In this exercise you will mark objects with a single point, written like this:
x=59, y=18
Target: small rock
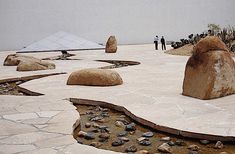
x=89, y=136
x=82, y=133
x=142, y=152
x=104, y=135
x=165, y=139
x=122, y=134
x=103, y=140
x=88, y=125
x=95, y=125
x=124, y=139
x=147, y=134
x=180, y=143
x=192, y=152
x=193, y=147
x=130, y=127
x=96, y=144
x=104, y=110
x=132, y=132
x=141, y=139
x=131, y=148
x=96, y=118
x=164, y=148
x=119, y=124
x=122, y=116
x=94, y=131
x=223, y=153
x=145, y=142
x=79, y=141
x=123, y=120
x=219, y=145
x=204, y=142
x=171, y=143
x=104, y=114
x=118, y=142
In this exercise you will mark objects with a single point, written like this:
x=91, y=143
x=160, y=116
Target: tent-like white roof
x=61, y=41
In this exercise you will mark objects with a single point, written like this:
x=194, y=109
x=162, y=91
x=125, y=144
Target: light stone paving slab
x=41, y=151
x=21, y=116
x=10, y=149
x=28, y=138
x=47, y=114
x=154, y=86
x=11, y=128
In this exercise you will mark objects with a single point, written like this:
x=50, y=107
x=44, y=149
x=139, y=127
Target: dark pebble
x=130, y=127
x=131, y=148
x=171, y=143
x=122, y=134
x=103, y=140
x=192, y=152
x=118, y=143
x=145, y=142
x=180, y=143
x=94, y=131
x=148, y=134
x=104, y=135
x=89, y=136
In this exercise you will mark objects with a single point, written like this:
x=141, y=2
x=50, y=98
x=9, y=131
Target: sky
x=131, y=21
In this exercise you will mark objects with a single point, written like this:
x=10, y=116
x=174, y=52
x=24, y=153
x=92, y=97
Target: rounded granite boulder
x=95, y=77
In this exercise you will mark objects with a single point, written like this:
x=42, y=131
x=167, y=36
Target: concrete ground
x=151, y=90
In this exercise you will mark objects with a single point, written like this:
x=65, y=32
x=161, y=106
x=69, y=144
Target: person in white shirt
x=156, y=42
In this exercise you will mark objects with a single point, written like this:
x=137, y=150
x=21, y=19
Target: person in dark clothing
x=156, y=42
x=163, y=43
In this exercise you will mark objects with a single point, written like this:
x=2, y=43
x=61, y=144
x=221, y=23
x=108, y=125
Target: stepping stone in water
x=122, y=134
x=148, y=134
x=118, y=143
x=131, y=148
x=89, y=136
x=130, y=127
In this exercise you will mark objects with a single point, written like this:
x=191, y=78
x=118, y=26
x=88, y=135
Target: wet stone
x=82, y=133
x=97, y=118
x=118, y=142
x=192, y=152
x=96, y=144
x=104, y=135
x=88, y=125
x=131, y=148
x=123, y=120
x=171, y=143
x=122, y=134
x=130, y=127
x=102, y=140
x=193, y=147
x=95, y=125
x=141, y=139
x=89, y=136
x=119, y=124
x=219, y=145
x=142, y=152
x=94, y=131
x=124, y=139
x=180, y=143
x=165, y=139
x=145, y=142
x=148, y=134
x=204, y=142
x=164, y=148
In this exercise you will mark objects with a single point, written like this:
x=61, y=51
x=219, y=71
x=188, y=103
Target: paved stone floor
x=151, y=90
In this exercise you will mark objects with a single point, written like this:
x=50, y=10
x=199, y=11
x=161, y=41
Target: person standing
x=156, y=42
x=163, y=43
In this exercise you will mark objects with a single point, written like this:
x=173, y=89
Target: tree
x=214, y=29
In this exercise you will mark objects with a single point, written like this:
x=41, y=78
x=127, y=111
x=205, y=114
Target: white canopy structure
x=61, y=41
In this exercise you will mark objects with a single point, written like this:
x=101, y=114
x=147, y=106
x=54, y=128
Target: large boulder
x=27, y=63
x=210, y=71
x=95, y=77
x=111, y=45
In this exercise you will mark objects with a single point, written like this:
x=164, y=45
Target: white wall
x=132, y=21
